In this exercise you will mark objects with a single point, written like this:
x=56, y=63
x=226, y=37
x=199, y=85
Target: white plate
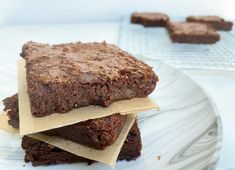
x=185, y=133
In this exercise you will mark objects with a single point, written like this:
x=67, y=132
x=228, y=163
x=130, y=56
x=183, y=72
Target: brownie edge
x=66, y=76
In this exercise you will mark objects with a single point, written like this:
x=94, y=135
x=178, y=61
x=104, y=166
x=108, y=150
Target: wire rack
x=155, y=43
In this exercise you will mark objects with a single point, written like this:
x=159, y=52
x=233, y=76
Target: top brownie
x=149, y=19
x=66, y=76
x=215, y=21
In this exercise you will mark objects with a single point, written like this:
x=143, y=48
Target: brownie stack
x=61, y=78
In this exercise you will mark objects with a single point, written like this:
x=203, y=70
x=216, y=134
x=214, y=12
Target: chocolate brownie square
x=149, y=19
x=215, y=21
x=195, y=33
x=41, y=153
x=95, y=133
x=66, y=76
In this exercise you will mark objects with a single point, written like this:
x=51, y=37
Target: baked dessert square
x=41, y=153
x=215, y=21
x=95, y=133
x=66, y=76
x=149, y=19
x=195, y=33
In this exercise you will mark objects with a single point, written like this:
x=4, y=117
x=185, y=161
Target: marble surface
x=220, y=85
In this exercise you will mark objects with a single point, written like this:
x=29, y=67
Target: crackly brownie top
x=185, y=28
x=151, y=15
x=83, y=62
x=209, y=18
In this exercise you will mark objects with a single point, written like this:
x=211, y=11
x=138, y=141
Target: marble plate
x=185, y=134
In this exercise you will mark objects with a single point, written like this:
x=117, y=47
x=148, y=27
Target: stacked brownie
x=96, y=133
x=61, y=78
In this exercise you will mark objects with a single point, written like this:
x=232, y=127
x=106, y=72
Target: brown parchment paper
x=108, y=156
x=30, y=124
x=4, y=124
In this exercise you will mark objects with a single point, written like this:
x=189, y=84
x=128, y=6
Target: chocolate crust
x=95, y=133
x=195, y=33
x=149, y=19
x=215, y=21
x=41, y=153
x=66, y=76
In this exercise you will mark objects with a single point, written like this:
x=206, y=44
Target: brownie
x=41, y=153
x=11, y=105
x=215, y=21
x=195, y=33
x=149, y=19
x=95, y=133
x=66, y=76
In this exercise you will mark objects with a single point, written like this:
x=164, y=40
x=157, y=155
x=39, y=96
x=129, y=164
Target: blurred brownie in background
x=195, y=33
x=215, y=21
x=149, y=19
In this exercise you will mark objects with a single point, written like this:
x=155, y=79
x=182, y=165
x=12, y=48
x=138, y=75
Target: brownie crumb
x=158, y=157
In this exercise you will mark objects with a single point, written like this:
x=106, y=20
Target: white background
x=73, y=11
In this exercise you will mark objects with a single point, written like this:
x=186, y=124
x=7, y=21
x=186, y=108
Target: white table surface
x=219, y=85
